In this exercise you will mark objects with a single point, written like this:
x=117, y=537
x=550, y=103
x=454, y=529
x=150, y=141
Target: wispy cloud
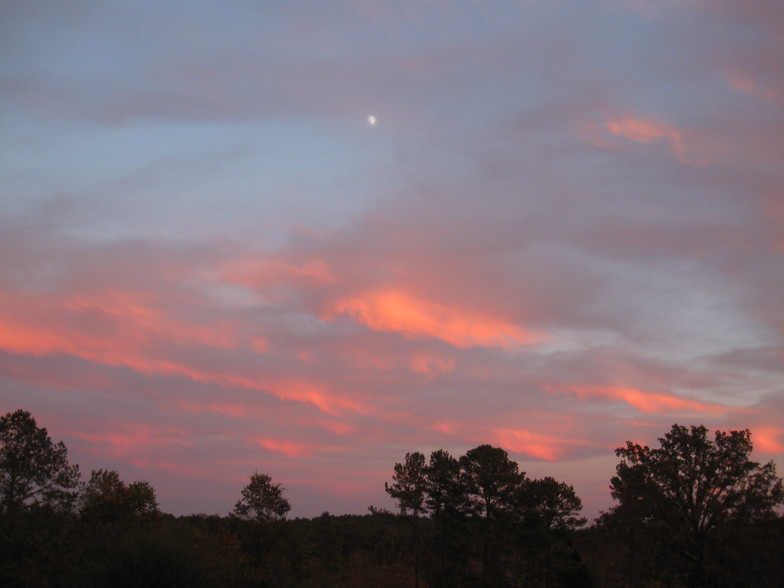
x=562, y=233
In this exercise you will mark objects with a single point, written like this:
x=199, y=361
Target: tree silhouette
x=107, y=498
x=689, y=489
x=486, y=518
x=409, y=484
x=549, y=504
x=33, y=469
x=262, y=500
x=443, y=491
x=490, y=479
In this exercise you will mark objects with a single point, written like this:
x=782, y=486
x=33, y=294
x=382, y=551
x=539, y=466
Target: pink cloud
x=646, y=402
x=318, y=394
x=290, y=449
x=447, y=427
x=132, y=440
x=399, y=312
x=287, y=279
x=750, y=85
x=341, y=429
x=235, y=410
x=769, y=439
x=684, y=145
x=136, y=330
x=532, y=444
x=644, y=131
x=260, y=274
x=114, y=328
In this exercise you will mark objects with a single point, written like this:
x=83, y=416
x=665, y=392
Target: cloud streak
x=211, y=265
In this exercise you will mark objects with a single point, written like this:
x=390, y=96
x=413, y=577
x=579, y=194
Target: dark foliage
x=106, y=498
x=688, y=511
x=33, y=469
x=262, y=500
x=488, y=524
x=468, y=522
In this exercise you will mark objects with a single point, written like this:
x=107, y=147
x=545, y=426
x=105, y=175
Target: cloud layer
x=565, y=231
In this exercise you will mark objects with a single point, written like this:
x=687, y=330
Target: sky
x=564, y=231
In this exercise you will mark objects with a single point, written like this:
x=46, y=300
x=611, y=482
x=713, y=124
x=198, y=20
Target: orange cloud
x=114, y=328
x=18, y=338
x=445, y=427
x=287, y=448
x=398, y=312
x=290, y=389
x=123, y=348
x=132, y=439
x=645, y=130
x=337, y=428
x=750, y=86
x=647, y=402
x=320, y=396
x=234, y=410
x=256, y=274
x=260, y=345
x=768, y=439
x=532, y=444
x=148, y=322
x=121, y=329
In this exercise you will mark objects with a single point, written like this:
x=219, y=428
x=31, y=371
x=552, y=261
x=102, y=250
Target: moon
x=372, y=120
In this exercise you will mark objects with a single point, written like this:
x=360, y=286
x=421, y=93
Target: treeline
x=488, y=524
x=695, y=511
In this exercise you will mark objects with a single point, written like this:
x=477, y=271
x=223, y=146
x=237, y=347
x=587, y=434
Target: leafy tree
x=694, y=482
x=489, y=525
x=409, y=484
x=444, y=499
x=690, y=489
x=107, y=498
x=550, y=504
x=490, y=479
x=546, y=515
x=262, y=500
x=443, y=491
x=409, y=490
x=33, y=469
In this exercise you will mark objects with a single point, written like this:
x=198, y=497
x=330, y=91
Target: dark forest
x=693, y=511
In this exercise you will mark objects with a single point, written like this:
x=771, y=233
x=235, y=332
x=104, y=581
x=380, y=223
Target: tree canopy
x=483, y=483
x=693, y=482
x=33, y=469
x=490, y=479
x=262, y=500
x=408, y=487
x=682, y=496
x=442, y=484
x=549, y=504
x=694, y=511
x=107, y=498
x=491, y=524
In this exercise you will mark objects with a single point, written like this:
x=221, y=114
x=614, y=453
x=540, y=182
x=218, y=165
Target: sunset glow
x=398, y=312
x=648, y=402
x=562, y=228
x=531, y=444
